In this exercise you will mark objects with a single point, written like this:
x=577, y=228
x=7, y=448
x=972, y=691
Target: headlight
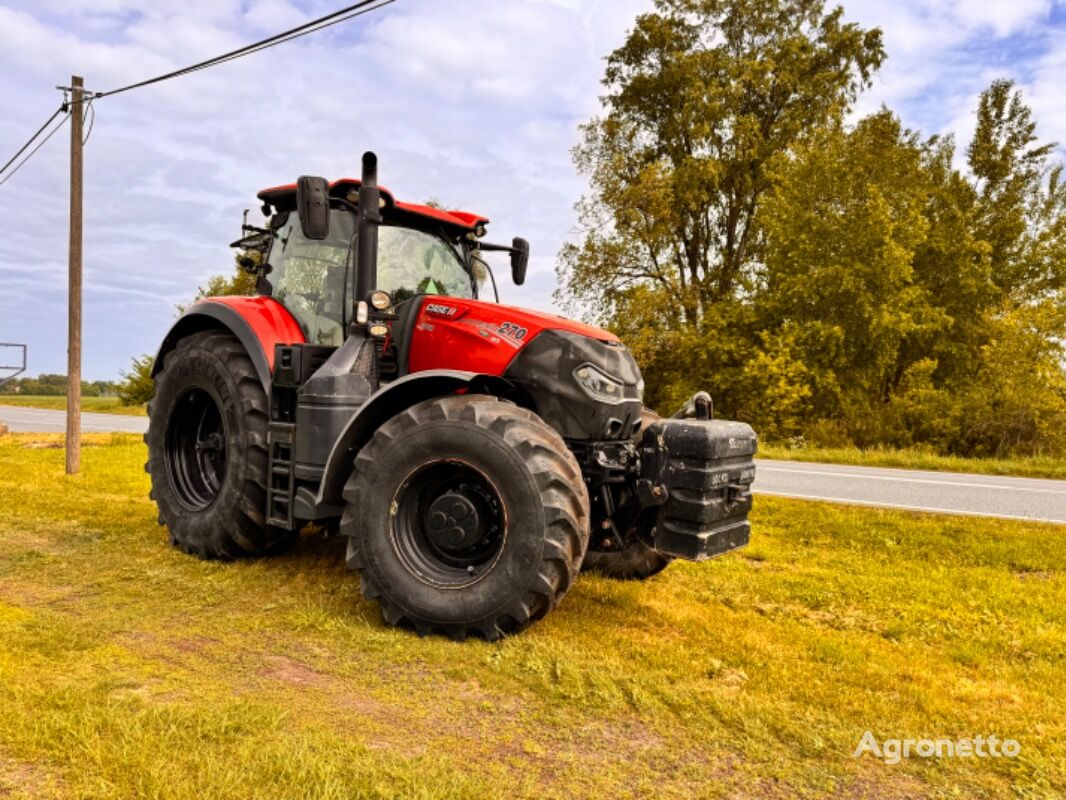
x=380, y=300
x=597, y=384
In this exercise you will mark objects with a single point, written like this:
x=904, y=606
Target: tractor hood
x=552, y=322
x=582, y=379
x=536, y=321
x=474, y=335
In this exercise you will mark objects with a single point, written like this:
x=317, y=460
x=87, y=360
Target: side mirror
x=519, y=260
x=312, y=206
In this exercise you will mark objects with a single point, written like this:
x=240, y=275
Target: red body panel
x=472, y=335
x=269, y=320
x=284, y=197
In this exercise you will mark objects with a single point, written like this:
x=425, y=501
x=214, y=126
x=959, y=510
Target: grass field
x=128, y=669
x=920, y=459
x=105, y=405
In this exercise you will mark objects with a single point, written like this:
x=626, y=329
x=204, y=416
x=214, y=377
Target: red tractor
x=476, y=456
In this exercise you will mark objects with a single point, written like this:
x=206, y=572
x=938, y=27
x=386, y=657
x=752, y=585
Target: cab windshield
x=412, y=262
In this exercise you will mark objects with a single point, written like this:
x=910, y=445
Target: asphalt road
x=42, y=420
x=916, y=490
x=936, y=492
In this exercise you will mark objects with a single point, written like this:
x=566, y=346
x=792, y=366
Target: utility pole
x=77, y=116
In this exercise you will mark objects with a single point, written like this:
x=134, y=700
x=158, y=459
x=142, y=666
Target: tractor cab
x=421, y=250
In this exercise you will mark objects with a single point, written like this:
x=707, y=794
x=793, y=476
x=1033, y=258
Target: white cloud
x=941, y=55
x=1003, y=17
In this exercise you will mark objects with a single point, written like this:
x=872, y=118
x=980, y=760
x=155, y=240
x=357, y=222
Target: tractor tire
x=207, y=450
x=467, y=516
x=636, y=561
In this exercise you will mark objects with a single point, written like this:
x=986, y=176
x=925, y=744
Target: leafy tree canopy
x=827, y=278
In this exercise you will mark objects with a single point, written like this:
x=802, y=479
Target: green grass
x=919, y=459
x=128, y=669
x=104, y=405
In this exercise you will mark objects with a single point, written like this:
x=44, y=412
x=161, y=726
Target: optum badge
x=892, y=751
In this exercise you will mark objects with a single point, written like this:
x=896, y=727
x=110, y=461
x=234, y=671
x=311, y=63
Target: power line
x=33, y=138
x=344, y=14
x=259, y=47
x=40, y=144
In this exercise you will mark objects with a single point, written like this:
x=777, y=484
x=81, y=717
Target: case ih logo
x=440, y=309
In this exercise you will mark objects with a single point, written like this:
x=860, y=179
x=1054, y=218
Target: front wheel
x=466, y=516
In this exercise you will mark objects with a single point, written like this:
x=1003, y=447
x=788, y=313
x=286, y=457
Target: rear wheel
x=635, y=561
x=466, y=516
x=207, y=450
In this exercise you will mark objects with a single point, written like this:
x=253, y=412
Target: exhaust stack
x=366, y=277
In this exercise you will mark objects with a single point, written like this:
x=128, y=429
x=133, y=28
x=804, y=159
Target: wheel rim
x=449, y=523
x=196, y=449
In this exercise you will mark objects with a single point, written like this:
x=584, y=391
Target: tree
x=137, y=386
x=701, y=97
x=844, y=223
x=843, y=281
x=240, y=281
x=56, y=385
x=916, y=305
x=1021, y=210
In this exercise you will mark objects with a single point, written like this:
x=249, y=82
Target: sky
x=475, y=103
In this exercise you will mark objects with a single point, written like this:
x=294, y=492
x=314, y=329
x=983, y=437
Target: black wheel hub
x=452, y=522
x=196, y=449
x=449, y=523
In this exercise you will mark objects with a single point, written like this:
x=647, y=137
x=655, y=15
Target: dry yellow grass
x=128, y=669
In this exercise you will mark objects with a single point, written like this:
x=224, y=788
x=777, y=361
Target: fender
x=259, y=323
x=389, y=401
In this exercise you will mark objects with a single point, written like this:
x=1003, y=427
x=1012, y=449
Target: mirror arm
x=488, y=247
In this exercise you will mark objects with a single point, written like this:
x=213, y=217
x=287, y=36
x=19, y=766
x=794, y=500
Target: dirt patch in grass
x=23, y=779
x=1034, y=575
x=293, y=672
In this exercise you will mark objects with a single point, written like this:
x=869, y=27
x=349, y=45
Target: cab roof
x=283, y=198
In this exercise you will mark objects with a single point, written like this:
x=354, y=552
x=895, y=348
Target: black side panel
x=330, y=398
x=545, y=369
x=403, y=331
x=208, y=316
